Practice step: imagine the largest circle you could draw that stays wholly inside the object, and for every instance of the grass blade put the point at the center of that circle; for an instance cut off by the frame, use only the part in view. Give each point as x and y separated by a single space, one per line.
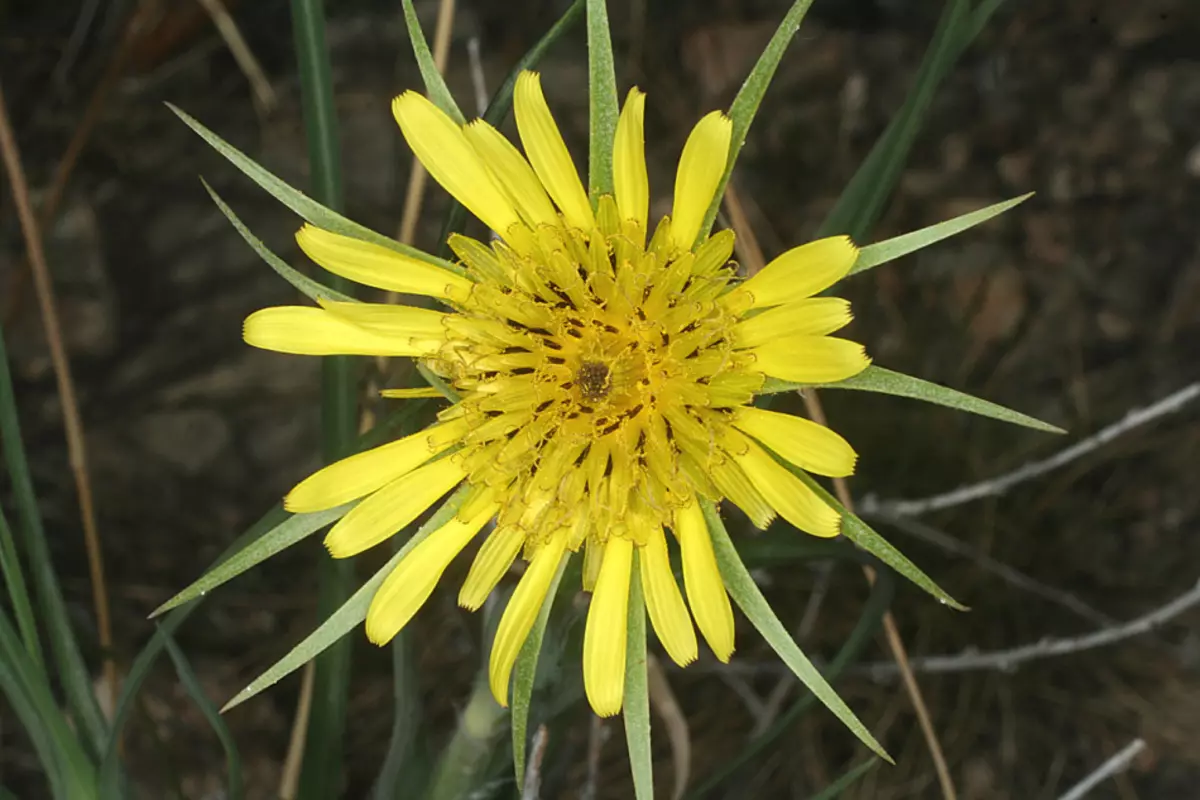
750 600
406 720
304 284
71 669
865 537
885 381
881 252
602 98
348 615
303 205
835 789
29 696
435 84
525 675
191 684
750 96
292 529
18 594
637 695
501 103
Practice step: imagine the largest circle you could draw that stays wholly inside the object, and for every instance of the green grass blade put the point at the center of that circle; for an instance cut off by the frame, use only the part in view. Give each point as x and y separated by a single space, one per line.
500 105
435 84
865 537
637 695
885 381
321 767
863 199
291 530
304 284
851 776
602 98
750 600
406 721
303 205
525 675
28 692
881 252
18 594
856 643
191 684
348 615
72 671
750 96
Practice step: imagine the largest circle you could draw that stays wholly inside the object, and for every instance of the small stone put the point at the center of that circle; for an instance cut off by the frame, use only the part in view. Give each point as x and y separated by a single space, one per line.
190 439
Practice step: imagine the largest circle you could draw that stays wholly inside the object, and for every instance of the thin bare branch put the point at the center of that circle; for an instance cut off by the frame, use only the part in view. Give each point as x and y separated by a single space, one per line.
995 486
678 734
532 789
260 86
1118 763
1007 660
289 779
478 80
72 421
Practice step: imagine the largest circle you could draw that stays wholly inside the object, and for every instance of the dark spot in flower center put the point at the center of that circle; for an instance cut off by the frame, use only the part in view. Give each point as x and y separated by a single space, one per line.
594 380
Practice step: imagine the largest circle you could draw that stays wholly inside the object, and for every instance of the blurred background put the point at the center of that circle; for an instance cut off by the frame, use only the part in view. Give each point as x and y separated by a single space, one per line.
1078 306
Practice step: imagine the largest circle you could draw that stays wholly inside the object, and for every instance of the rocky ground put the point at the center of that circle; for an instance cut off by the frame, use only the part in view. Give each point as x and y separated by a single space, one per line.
1079 305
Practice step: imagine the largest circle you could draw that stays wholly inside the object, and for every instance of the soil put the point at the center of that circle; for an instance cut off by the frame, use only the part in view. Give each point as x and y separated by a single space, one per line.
1079 305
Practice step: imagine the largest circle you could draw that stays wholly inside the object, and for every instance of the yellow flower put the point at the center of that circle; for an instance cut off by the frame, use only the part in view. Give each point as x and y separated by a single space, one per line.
605 381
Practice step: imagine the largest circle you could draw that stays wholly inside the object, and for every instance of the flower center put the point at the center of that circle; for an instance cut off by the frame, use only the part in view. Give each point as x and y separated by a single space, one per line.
594 380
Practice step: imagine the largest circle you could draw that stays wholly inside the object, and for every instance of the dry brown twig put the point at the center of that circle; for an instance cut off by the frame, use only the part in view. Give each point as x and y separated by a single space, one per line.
261 91
72 421
891 632
678 733
1119 762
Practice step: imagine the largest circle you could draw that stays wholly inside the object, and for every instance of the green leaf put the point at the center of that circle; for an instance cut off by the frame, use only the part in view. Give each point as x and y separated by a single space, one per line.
18 594
435 84
881 252
750 96
29 695
191 684
863 198
835 789
75 678
350 614
304 284
637 695
885 381
750 600
525 675
602 94
865 537
291 530
500 104
406 721
302 204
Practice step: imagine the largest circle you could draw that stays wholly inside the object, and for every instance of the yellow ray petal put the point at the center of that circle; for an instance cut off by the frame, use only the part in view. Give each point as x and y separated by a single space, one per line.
794 501
512 172
702 581
375 265
443 149
604 637
409 394
392 507
365 472
316 332
412 581
810 359
548 152
491 562
700 169
389 319
630 183
520 613
801 441
668 613
800 272
813 316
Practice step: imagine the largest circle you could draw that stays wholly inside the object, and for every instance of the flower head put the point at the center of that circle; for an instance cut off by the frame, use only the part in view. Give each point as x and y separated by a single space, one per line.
605 372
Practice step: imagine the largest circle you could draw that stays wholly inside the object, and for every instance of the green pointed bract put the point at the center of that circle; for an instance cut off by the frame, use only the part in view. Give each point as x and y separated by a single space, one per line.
435 84
602 100
885 381
637 696
350 615
750 600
